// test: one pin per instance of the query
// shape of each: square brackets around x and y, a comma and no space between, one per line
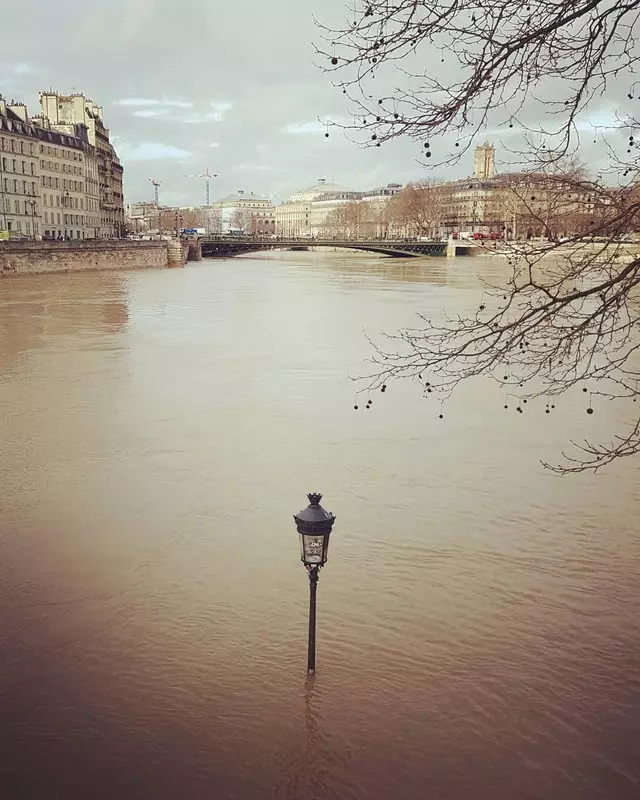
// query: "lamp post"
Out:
[314,525]
[179,221]
[32,204]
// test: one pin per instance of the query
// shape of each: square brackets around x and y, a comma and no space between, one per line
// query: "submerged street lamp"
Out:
[314,525]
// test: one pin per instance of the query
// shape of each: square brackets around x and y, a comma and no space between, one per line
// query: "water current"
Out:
[478,618]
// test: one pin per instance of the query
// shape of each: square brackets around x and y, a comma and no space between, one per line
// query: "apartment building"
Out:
[241,211]
[68,182]
[19,173]
[60,178]
[76,109]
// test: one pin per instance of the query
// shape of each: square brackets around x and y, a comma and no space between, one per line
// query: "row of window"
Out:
[67,234]
[28,208]
[17,146]
[12,165]
[25,207]
[54,151]
[69,202]
[19,187]
[54,183]
[54,166]
[68,219]
[16,225]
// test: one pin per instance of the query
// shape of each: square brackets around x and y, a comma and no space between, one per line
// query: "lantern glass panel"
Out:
[312,548]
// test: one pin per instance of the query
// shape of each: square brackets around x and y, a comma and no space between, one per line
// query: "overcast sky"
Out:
[198,83]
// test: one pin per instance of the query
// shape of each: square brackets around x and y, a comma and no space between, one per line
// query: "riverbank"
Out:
[36,258]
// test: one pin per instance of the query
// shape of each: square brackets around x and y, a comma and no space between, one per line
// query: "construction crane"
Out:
[207,177]
[156,189]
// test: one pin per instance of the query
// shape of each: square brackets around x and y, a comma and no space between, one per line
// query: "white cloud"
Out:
[150,112]
[220,107]
[214,144]
[148,101]
[18,68]
[197,118]
[252,167]
[305,127]
[150,151]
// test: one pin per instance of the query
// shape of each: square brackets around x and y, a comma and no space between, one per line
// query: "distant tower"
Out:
[156,187]
[484,165]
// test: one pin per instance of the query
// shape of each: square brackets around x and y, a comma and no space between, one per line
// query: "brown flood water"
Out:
[479,618]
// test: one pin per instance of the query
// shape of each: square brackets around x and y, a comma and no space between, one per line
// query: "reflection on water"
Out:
[314,767]
[478,618]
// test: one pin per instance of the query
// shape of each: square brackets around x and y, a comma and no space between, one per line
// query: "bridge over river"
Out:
[225,246]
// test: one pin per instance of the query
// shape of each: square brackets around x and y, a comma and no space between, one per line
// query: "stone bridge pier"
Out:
[195,250]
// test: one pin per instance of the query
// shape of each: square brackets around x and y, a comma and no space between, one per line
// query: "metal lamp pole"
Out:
[314,525]
[32,203]
[311,646]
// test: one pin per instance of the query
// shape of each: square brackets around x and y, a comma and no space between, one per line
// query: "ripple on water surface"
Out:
[478,619]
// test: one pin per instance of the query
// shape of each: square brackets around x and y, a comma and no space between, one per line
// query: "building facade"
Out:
[59,176]
[19,173]
[76,109]
[142,217]
[242,212]
[296,217]
[69,192]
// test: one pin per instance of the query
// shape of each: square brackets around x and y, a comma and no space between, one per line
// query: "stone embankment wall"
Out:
[25,258]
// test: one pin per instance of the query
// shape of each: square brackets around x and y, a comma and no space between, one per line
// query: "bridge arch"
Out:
[223,246]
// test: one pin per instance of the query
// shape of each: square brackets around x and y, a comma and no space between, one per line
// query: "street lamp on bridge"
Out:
[179,221]
[314,525]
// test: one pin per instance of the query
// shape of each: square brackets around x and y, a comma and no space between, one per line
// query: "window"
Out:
[4,164]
